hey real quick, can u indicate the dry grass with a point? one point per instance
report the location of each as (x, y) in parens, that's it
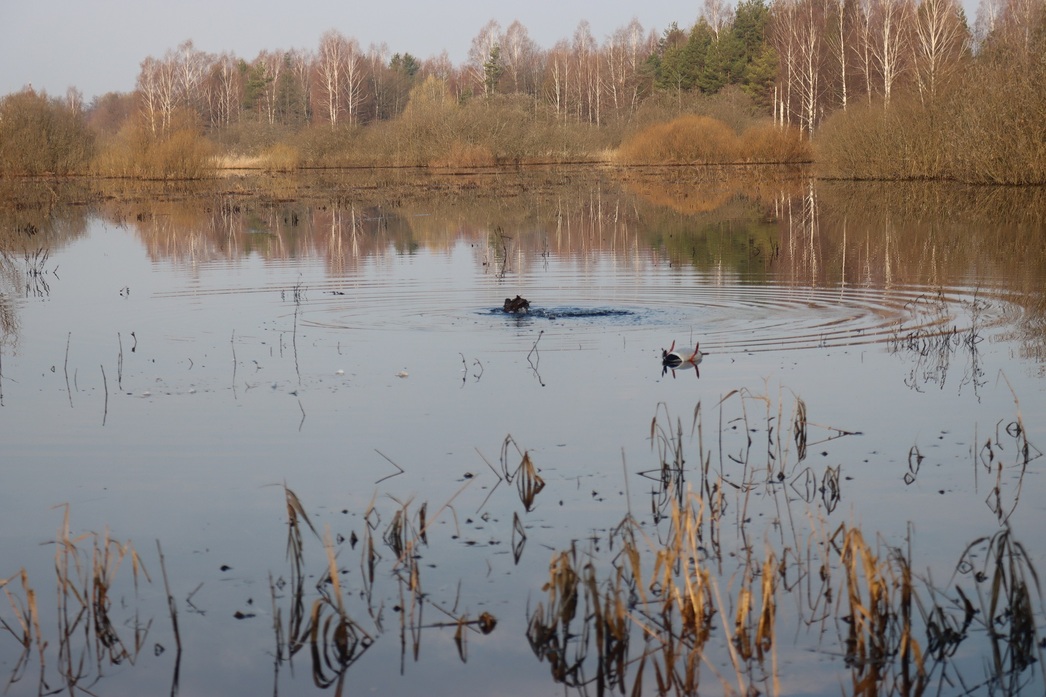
(702, 140)
(680, 606)
(656, 605)
(92, 632)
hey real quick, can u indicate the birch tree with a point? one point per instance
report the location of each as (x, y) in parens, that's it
(223, 90)
(271, 65)
(798, 34)
(941, 40)
(622, 51)
(889, 47)
(483, 46)
(330, 78)
(557, 76)
(300, 64)
(518, 53)
(586, 72)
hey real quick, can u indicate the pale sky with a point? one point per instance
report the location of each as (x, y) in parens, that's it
(98, 45)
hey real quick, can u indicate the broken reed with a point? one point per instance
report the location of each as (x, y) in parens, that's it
(89, 638)
(652, 613)
(335, 635)
(647, 617)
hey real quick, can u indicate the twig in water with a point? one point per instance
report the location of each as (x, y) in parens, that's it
(534, 365)
(302, 423)
(119, 362)
(401, 470)
(299, 296)
(232, 342)
(68, 391)
(105, 384)
(173, 608)
(533, 349)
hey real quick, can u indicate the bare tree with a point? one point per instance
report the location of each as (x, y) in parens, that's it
(889, 47)
(300, 62)
(156, 87)
(355, 78)
(798, 33)
(485, 44)
(271, 65)
(718, 15)
(865, 43)
(330, 78)
(623, 53)
(941, 40)
(518, 52)
(223, 88)
(586, 73)
(380, 76)
(557, 78)
(840, 43)
(189, 65)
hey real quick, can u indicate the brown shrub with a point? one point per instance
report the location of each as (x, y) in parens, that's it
(181, 152)
(461, 154)
(985, 128)
(39, 135)
(768, 143)
(281, 158)
(688, 139)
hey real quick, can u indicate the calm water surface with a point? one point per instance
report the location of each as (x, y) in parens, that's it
(874, 371)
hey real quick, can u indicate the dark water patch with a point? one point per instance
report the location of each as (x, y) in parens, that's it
(568, 313)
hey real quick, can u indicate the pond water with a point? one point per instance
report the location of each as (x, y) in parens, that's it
(304, 416)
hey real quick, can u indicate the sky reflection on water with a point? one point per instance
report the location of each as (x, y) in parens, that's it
(171, 378)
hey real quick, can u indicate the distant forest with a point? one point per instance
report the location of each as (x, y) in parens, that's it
(889, 89)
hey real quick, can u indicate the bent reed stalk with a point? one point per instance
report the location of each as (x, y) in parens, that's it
(680, 603)
(647, 618)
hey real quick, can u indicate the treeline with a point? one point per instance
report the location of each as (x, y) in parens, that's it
(882, 88)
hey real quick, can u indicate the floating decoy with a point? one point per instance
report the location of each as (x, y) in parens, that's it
(681, 359)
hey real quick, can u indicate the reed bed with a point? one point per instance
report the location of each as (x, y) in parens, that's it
(90, 633)
(740, 568)
(680, 610)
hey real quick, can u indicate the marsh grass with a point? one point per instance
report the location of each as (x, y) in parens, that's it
(671, 612)
(92, 631)
(681, 603)
(337, 634)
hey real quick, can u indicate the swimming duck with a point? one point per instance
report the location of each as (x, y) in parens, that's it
(681, 359)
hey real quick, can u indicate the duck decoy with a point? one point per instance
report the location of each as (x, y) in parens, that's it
(681, 359)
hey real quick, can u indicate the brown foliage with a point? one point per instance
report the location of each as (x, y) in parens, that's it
(985, 126)
(182, 152)
(687, 139)
(980, 131)
(41, 135)
(766, 143)
(695, 139)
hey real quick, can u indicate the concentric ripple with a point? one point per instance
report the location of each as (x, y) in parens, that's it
(430, 291)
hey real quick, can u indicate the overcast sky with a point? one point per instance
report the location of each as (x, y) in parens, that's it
(97, 45)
